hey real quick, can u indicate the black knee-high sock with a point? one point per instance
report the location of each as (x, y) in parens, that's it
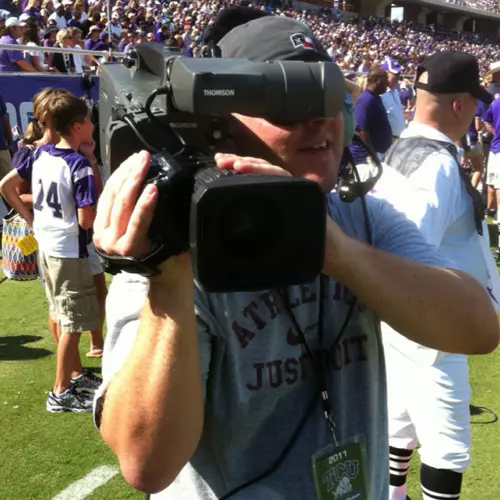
(440, 484)
(399, 463)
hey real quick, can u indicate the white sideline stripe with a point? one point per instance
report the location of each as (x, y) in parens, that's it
(87, 484)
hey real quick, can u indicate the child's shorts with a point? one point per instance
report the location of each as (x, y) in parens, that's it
(71, 293)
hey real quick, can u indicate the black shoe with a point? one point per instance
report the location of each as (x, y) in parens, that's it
(87, 382)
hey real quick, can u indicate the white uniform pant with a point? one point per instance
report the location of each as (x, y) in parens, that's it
(429, 404)
(493, 170)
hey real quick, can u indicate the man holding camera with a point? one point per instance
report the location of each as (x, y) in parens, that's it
(276, 394)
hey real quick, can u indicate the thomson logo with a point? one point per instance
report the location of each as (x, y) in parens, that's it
(183, 125)
(219, 92)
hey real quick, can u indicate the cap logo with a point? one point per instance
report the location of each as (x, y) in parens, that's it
(301, 40)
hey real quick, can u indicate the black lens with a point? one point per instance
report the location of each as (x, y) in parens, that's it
(250, 228)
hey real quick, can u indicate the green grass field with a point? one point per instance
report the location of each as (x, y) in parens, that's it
(41, 454)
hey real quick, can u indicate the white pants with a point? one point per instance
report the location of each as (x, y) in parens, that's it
(430, 404)
(493, 170)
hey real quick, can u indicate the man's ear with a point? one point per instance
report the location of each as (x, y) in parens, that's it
(458, 106)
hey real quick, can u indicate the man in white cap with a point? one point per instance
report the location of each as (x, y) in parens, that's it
(391, 99)
(115, 26)
(13, 60)
(59, 16)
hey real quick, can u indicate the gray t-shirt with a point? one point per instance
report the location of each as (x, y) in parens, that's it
(259, 380)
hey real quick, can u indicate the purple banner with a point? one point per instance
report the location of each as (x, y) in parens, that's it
(18, 90)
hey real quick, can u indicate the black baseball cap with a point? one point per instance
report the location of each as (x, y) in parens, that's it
(452, 72)
(273, 38)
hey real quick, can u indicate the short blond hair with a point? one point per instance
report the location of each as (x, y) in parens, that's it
(62, 35)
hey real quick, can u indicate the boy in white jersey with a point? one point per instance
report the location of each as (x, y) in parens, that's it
(64, 194)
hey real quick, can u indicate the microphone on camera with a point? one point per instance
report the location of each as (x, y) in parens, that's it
(351, 187)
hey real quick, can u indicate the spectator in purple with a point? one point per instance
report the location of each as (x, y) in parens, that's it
(132, 17)
(13, 60)
(125, 40)
(49, 37)
(93, 38)
(103, 43)
(370, 114)
(33, 10)
(74, 22)
(164, 33)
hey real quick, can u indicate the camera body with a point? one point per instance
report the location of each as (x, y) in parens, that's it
(244, 232)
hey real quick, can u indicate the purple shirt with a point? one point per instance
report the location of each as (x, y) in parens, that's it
(101, 46)
(90, 44)
(34, 12)
(371, 116)
(22, 157)
(121, 46)
(8, 58)
(492, 116)
(160, 37)
(72, 23)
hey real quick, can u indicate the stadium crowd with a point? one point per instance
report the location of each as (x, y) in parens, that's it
(355, 45)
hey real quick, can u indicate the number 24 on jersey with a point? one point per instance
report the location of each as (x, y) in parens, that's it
(51, 200)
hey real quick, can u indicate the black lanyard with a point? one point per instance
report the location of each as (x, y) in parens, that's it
(318, 364)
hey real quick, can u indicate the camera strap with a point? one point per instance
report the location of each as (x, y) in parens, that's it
(147, 266)
(320, 378)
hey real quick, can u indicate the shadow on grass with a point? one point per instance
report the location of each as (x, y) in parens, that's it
(14, 348)
(487, 416)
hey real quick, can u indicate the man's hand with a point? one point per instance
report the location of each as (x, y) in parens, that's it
(87, 149)
(124, 213)
(248, 165)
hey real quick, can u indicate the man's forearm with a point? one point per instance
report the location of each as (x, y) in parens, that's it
(439, 308)
(153, 411)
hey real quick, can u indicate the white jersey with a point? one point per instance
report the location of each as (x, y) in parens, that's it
(436, 200)
(62, 181)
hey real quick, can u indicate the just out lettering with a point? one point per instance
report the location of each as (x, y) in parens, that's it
(269, 306)
(273, 374)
